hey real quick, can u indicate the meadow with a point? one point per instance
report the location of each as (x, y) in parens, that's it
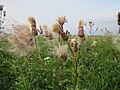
(95, 68)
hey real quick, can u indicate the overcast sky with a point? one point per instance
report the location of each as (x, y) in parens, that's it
(101, 12)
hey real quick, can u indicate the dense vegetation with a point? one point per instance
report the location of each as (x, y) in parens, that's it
(98, 68)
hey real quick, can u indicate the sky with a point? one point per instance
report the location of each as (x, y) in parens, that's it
(102, 12)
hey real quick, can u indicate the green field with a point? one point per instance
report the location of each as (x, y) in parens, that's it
(98, 68)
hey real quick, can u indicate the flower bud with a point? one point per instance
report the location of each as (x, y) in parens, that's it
(34, 31)
(80, 32)
(64, 36)
(74, 45)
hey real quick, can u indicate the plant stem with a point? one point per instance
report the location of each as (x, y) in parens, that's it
(75, 72)
(39, 55)
(75, 66)
(35, 41)
(62, 76)
(70, 48)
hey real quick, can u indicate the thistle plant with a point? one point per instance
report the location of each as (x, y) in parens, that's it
(32, 23)
(61, 20)
(19, 45)
(74, 46)
(74, 49)
(81, 32)
(62, 53)
(47, 33)
(58, 28)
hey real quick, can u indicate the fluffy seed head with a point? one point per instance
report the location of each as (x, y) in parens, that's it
(62, 52)
(61, 20)
(12, 38)
(24, 32)
(56, 28)
(81, 23)
(45, 27)
(32, 21)
(73, 40)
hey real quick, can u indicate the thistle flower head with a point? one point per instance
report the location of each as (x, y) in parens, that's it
(64, 36)
(32, 21)
(45, 27)
(56, 28)
(12, 38)
(24, 32)
(73, 41)
(74, 46)
(61, 20)
(81, 23)
(62, 52)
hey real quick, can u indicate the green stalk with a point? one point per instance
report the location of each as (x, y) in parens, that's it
(70, 48)
(75, 72)
(62, 76)
(43, 62)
